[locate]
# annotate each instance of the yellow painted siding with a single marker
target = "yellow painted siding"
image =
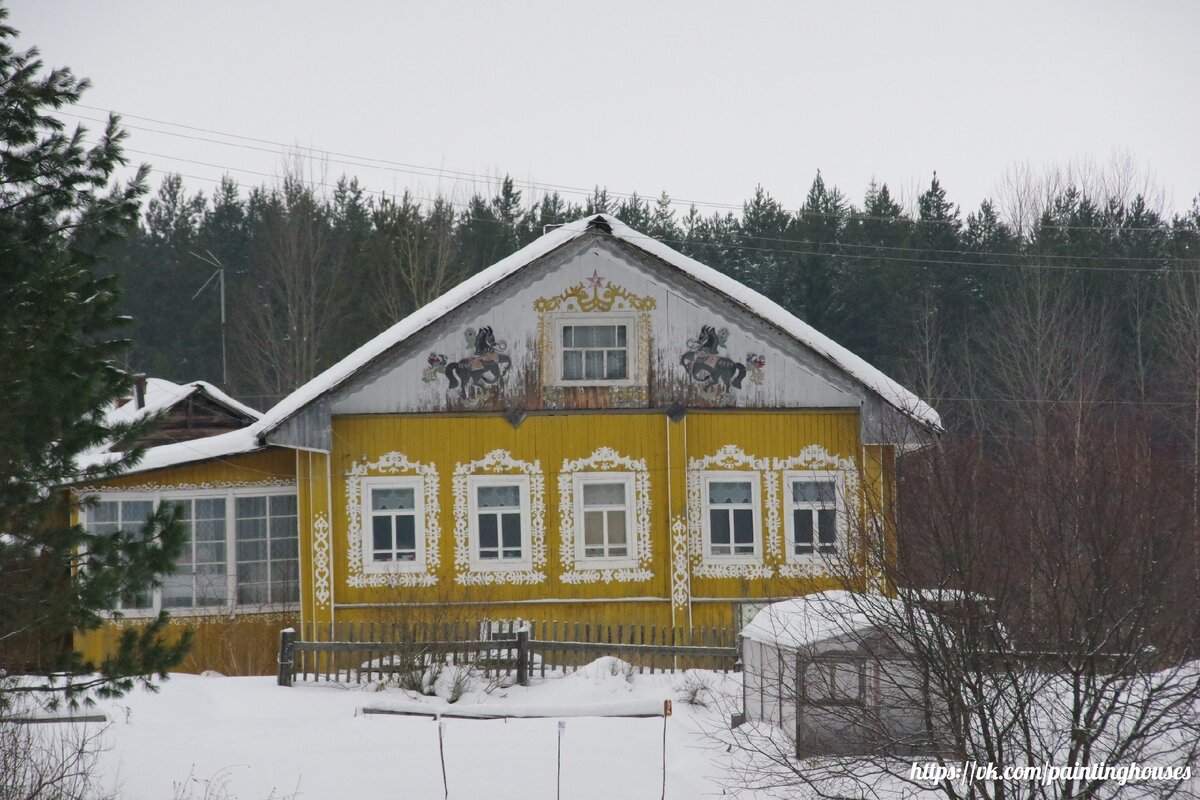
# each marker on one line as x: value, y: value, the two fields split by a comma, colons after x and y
x: 447, y: 440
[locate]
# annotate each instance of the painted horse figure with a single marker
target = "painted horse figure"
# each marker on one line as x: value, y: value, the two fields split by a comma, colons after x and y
x: 705, y: 365
x: 485, y: 368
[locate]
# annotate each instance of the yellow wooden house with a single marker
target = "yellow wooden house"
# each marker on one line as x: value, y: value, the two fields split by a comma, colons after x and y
x: 595, y: 428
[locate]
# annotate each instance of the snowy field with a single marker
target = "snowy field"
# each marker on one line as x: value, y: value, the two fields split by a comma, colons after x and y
x: 249, y: 739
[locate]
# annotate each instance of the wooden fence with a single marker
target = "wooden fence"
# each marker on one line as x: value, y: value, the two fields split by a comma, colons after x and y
x: 368, y: 652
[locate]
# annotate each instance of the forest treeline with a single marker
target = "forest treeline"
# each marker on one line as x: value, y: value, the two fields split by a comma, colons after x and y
x: 1058, y: 292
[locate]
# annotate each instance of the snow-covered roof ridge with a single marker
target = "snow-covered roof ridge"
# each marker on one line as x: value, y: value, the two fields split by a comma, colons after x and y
x: 891, y: 391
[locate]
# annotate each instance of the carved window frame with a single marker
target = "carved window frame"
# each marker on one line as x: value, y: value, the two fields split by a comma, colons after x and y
x: 498, y: 462
x: 732, y: 460
x: 577, y: 569
x: 391, y: 465
x: 813, y: 460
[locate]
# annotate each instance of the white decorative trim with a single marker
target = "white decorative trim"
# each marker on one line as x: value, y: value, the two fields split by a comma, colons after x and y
x: 321, y: 548
x: 499, y: 462
x: 186, y: 487
x: 813, y: 457
x: 575, y: 569
x: 393, y: 463
x: 729, y: 457
x: 681, y: 584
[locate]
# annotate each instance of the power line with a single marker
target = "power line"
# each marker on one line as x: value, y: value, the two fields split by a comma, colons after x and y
x: 429, y: 171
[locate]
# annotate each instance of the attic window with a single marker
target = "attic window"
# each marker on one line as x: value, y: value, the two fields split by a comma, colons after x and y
x: 595, y: 350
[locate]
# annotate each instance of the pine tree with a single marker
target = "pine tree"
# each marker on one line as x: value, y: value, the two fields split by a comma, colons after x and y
x: 58, y: 356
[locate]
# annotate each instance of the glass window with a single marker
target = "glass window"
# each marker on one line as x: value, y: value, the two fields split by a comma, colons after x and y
x: 200, y: 576
x: 499, y: 522
x: 109, y: 516
x: 595, y: 352
x: 731, y: 528
x: 605, y: 519
x: 267, y: 549
x: 393, y: 523
x: 834, y: 682
x: 813, y: 503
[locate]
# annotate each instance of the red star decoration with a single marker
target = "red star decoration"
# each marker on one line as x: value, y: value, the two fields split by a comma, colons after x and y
x: 596, y: 281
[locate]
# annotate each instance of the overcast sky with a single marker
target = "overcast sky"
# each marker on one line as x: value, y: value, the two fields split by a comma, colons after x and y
x: 703, y: 100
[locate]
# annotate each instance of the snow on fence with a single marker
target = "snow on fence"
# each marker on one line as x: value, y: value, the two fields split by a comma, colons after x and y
x: 367, y: 652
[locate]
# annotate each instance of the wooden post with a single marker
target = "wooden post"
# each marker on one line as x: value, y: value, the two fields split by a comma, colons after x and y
x: 287, y: 642
x: 523, y: 656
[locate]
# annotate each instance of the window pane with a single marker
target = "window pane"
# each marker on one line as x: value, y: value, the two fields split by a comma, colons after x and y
x: 802, y: 525
x: 392, y: 499
x: 743, y: 528
x: 107, y: 511
x: 816, y: 682
x: 572, y: 365
x: 134, y: 513
x: 250, y: 507
x: 511, y: 524
x: 567, y: 339
x: 585, y: 335
x: 845, y: 681
x: 489, y: 534
x: 284, y: 573
x: 620, y: 336
x: 283, y: 505
x: 813, y: 492
x: 604, y: 494
x: 251, y: 551
x: 406, y: 536
x: 285, y: 548
x: 283, y: 528
x: 252, y: 594
x: 729, y: 492
x: 593, y: 529
x: 593, y: 365
x: 616, y: 528
x: 381, y: 536
x: 251, y: 573
x: 209, y: 530
x: 616, y: 365
x: 719, y: 530
x: 827, y: 529
x: 253, y: 528
x: 177, y: 590
x: 210, y: 508
x: 499, y: 497
x: 605, y: 336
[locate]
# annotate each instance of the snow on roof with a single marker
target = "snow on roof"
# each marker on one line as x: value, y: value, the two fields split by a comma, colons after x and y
x: 804, y: 621
x: 243, y: 440
x: 162, y: 394
x: 890, y: 391
x: 873, y: 379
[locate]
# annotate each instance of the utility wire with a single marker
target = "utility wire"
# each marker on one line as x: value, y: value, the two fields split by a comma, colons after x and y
x: 430, y: 171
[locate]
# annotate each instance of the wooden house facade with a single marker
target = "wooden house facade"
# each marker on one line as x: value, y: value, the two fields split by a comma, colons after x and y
x: 596, y: 427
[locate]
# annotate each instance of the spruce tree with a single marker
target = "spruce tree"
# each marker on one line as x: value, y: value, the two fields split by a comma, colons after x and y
x: 58, y: 355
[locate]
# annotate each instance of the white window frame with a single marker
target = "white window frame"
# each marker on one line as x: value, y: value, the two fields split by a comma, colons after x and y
x: 789, y: 525
x: 477, y: 564
x: 595, y: 319
x: 417, y: 484
x: 230, y: 604
x: 730, y: 476
x: 122, y: 497
x: 631, y: 559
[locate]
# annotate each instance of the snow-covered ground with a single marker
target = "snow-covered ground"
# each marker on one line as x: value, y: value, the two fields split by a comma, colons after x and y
x: 252, y: 738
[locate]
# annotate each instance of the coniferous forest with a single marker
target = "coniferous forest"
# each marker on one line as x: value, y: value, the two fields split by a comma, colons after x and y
x: 1061, y: 291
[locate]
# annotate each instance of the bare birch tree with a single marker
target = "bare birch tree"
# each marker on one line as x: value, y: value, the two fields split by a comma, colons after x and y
x: 283, y: 328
